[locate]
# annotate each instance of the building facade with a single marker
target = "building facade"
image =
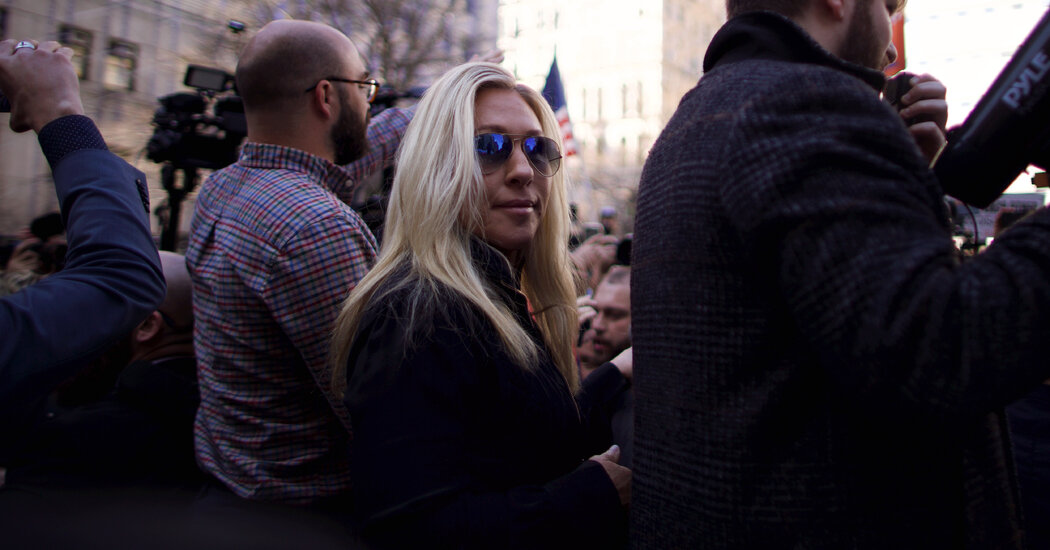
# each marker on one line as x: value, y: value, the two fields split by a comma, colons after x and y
x: 127, y: 54
x: 625, y: 64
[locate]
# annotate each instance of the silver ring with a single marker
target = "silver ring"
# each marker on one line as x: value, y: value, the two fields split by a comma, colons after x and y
x: 24, y: 44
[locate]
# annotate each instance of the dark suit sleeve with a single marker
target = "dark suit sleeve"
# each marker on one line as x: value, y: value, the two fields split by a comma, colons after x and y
x: 424, y: 461
x: 111, y: 281
x: 846, y: 228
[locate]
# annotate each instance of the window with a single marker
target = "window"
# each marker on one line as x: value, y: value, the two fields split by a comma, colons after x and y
x: 79, y: 40
x: 121, y: 59
x: 641, y: 103
x: 623, y: 99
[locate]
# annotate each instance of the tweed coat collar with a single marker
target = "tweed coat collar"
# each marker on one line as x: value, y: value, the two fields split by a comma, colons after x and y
x: 769, y: 35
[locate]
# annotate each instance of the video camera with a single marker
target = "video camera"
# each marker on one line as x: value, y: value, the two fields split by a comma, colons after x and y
x: 1008, y: 130
x: 199, y: 130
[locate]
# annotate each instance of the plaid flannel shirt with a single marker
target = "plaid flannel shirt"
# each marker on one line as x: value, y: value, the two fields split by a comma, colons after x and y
x: 273, y: 252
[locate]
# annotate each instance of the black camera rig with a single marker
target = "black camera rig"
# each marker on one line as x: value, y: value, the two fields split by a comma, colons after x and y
x: 194, y: 131
x: 199, y: 130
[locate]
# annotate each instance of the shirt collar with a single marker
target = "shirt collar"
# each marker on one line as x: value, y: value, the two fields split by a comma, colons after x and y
x: 269, y: 156
x: 768, y: 35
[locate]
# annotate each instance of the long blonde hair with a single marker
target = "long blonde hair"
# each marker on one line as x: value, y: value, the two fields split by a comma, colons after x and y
x: 436, y: 206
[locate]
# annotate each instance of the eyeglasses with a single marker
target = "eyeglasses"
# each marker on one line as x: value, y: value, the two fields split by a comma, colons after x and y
x: 493, y: 150
x: 371, y: 84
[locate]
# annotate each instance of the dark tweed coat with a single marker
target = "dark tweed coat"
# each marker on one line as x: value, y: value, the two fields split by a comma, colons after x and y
x: 815, y: 367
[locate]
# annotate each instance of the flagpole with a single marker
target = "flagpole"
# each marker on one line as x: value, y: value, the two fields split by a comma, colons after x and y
x: 584, y: 179
x: 554, y: 93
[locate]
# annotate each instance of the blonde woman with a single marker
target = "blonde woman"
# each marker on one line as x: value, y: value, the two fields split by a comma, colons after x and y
x: 466, y: 429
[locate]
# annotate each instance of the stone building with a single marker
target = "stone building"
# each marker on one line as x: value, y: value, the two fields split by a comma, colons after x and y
x: 128, y: 53
x: 131, y: 52
x: 625, y: 64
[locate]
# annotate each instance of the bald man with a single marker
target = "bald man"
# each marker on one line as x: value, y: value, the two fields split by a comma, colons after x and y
x: 273, y: 252
x: 138, y: 432
x: 168, y: 330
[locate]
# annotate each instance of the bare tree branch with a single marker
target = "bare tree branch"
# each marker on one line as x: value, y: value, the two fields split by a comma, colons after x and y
x: 403, y: 41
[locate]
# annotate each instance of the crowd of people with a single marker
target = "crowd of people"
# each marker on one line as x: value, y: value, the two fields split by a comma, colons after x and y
x: 817, y: 364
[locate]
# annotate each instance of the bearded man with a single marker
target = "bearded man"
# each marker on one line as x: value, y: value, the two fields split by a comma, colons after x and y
x: 816, y: 367
x: 274, y: 250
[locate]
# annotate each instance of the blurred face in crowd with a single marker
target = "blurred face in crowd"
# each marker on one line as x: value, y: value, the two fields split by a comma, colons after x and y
x: 515, y: 194
x: 349, y: 133
x: 612, y: 324
x: 868, y: 41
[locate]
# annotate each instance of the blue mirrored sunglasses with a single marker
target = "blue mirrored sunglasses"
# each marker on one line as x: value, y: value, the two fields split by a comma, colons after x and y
x: 494, y: 149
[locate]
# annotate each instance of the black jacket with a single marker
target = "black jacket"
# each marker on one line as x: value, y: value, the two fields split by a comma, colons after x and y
x: 815, y: 366
x: 138, y: 435
x: 455, y: 446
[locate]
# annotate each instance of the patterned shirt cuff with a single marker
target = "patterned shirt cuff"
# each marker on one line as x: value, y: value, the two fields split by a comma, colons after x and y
x: 64, y: 135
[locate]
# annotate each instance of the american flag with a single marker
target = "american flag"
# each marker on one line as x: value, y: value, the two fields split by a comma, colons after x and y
x: 554, y: 93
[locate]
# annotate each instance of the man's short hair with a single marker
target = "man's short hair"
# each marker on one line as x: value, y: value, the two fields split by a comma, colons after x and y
x: 618, y: 275
x: 286, y: 68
